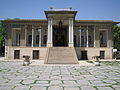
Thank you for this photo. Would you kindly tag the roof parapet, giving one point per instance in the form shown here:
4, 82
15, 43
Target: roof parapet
60, 9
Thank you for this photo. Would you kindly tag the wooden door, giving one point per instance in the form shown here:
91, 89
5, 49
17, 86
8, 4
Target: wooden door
84, 55
35, 54
102, 54
17, 54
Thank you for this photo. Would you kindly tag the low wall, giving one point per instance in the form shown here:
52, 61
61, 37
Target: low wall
28, 51
92, 51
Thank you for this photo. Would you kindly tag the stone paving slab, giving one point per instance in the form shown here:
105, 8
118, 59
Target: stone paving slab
14, 76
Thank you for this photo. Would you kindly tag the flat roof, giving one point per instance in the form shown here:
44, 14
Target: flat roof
45, 21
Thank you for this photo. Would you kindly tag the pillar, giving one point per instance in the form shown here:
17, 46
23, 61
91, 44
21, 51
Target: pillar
94, 36
25, 35
80, 35
49, 38
87, 37
39, 37
71, 44
32, 36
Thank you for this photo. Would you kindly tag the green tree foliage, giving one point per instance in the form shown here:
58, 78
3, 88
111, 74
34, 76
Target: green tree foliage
116, 36
2, 34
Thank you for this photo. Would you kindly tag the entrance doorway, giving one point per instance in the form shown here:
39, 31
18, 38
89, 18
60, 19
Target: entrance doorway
84, 55
35, 54
17, 54
59, 36
102, 54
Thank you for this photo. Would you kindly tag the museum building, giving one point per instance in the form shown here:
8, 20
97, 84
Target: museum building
59, 38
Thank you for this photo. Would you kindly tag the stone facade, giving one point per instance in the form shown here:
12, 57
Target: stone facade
60, 29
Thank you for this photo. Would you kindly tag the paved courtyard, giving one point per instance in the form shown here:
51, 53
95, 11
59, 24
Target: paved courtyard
14, 76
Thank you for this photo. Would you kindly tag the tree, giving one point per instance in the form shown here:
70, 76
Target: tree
2, 35
116, 36
2, 39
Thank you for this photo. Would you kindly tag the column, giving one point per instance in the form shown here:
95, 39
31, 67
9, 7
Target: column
32, 36
107, 40
94, 36
25, 35
87, 37
39, 37
71, 44
49, 38
80, 35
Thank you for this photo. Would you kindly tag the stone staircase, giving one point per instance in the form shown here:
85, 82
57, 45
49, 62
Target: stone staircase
61, 55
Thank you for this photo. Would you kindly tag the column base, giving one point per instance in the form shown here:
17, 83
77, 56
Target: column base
71, 45
49, 45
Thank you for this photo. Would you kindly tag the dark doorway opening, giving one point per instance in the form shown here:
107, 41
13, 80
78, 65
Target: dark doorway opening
102, 54
35, 54
16, 54
84, 55
59, 36
75, 41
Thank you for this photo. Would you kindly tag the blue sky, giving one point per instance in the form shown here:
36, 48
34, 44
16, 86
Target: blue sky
87, 9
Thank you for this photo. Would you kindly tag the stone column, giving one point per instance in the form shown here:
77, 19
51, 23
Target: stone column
32, 36
39, 37
87, 37
107, 40
25, 35
49, 36
80, 35
71, 44
94, 36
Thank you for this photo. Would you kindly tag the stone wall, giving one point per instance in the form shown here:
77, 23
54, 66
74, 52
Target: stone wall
28, 51
94, 52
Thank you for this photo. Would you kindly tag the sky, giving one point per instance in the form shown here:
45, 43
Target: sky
87, 9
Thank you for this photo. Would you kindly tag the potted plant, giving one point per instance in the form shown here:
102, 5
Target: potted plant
26, 62
97, 62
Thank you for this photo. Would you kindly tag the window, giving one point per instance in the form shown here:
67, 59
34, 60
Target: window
45, 39
103, 39
17, 39
30, 39
37, 39
82, 41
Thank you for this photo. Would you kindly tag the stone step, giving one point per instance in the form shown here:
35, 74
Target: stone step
61, 55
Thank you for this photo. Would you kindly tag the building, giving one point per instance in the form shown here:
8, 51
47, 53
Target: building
60, 38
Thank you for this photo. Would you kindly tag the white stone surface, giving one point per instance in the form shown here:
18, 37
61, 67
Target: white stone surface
14, 76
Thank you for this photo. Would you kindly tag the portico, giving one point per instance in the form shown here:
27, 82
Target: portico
60, 18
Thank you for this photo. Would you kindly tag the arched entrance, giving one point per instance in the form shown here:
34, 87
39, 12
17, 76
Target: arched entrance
60, 35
